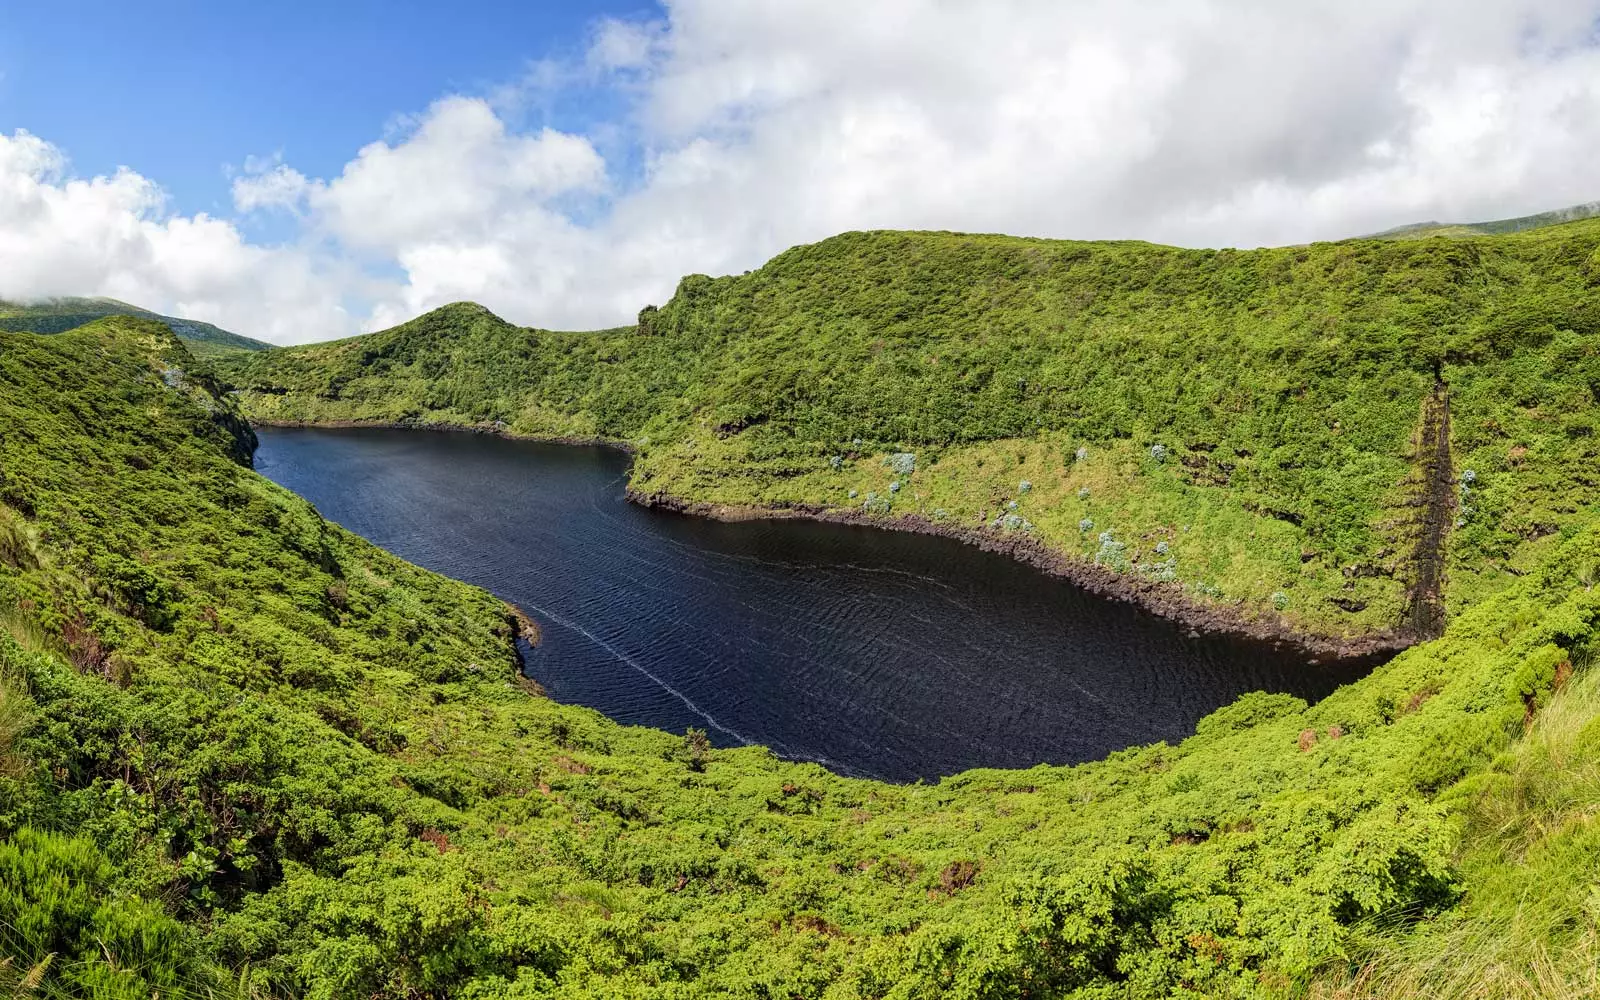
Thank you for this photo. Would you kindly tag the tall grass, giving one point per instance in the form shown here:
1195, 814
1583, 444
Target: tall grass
1531, 847
16, 713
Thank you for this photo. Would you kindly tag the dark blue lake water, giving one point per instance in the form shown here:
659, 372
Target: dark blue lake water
876, 653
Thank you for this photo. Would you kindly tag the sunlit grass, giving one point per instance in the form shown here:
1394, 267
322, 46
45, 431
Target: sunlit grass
1530, 927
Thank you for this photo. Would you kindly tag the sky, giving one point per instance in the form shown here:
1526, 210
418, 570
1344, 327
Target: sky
300, 171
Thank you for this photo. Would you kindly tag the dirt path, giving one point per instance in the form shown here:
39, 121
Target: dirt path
1424, 615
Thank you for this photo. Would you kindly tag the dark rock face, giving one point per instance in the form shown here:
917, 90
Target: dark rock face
1425, 614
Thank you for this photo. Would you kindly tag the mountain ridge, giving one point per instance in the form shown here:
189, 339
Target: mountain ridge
60, 314
1496, 227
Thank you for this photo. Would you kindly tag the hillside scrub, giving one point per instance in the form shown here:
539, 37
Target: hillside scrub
251, 753
1257, 413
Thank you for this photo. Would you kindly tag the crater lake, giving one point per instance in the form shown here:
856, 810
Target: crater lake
875, 653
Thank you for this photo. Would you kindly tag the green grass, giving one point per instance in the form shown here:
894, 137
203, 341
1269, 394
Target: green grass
1285, 387
1531, 833
257, 754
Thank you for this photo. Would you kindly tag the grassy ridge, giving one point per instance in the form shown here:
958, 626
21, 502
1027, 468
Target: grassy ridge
1244, 424
246, 752
1497, 227
63, 314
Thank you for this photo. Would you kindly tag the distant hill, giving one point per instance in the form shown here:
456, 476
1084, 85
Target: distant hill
1499, 227
63, 314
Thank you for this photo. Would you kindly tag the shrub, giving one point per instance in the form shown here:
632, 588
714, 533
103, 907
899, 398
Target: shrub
697, 747
1112, 554
902, 462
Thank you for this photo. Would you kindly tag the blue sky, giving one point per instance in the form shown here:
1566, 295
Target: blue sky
180, 90
299, 171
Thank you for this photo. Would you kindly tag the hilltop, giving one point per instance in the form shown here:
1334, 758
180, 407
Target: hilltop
1498, 227
62, 314
1344, 443
246, 753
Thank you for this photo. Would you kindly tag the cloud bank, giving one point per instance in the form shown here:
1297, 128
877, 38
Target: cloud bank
750, 127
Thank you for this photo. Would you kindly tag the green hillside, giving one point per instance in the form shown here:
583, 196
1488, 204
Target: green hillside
62, 314
245, 753
1498, 227
1254, 433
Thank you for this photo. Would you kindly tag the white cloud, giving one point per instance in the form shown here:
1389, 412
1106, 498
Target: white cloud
763, 124
456, 177
624, 45
113, 236
268, 186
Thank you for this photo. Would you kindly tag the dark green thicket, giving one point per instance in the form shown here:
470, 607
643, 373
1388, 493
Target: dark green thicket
244, 751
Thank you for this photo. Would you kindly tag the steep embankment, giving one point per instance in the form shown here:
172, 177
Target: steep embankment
244, 753
1232, 432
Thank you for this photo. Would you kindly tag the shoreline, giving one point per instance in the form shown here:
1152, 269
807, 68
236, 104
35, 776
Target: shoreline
428, 425
1168, 601
523, 625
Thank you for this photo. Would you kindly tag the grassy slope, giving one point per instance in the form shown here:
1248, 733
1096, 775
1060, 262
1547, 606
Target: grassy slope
1285, 387
1497, 227
246, 752
60, 315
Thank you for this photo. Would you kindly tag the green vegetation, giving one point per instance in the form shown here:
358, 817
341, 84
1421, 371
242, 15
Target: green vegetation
246, 753
1499, 227
1244, 425
63, 314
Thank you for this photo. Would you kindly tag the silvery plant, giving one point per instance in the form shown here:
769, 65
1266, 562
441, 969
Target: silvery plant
902, 462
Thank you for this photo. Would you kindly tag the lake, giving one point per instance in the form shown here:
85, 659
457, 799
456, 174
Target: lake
876, 653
